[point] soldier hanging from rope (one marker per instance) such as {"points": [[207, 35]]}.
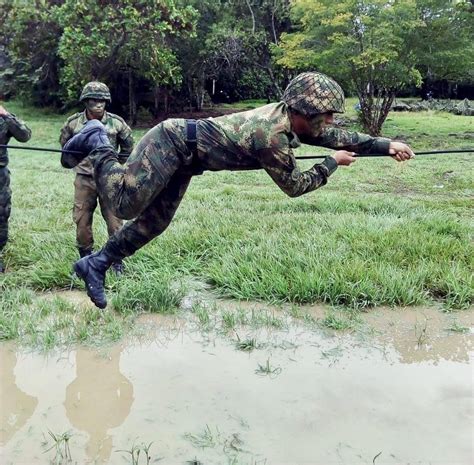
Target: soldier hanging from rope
{"points": [[150, 185]]}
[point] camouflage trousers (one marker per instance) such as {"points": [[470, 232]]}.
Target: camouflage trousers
{"points": [[5, 204], [85, 202], [148, 187]]}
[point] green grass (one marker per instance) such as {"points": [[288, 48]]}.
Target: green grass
{"points": [[380, 233]]}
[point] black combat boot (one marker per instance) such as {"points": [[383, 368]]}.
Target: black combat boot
{"points": [[91, 137], [92, 270]]}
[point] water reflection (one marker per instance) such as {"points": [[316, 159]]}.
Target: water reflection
{"points": [[16, 407], [404, 389], [99, 399], [424, 336]]}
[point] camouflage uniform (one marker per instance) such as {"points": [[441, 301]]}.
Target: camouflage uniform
{"points": [[85, 189], [150, 186], [10, 126]]}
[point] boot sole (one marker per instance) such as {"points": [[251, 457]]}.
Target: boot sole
{"points": [[82, 273]]}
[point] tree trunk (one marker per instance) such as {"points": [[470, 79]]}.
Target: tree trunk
{"points": [[166, 102], [253, 16], [156, 101], [132, 104], [375, 105]]}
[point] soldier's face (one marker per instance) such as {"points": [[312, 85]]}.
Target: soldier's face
{"points": [[95, 107], [318, 122]]}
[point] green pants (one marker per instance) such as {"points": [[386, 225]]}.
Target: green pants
{"points": [[5, 204], [86, 198], [148, 188]]}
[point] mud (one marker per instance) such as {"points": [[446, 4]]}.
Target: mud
{"points": [[399, 391]]}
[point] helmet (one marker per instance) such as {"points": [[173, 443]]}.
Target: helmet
{"points": [[314, 93], [97, 90]]}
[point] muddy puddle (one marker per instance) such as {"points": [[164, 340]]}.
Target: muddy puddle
{"points": [[398, 393]]}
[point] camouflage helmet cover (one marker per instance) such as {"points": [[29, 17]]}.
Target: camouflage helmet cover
{"points": [[314, 93], [97, 90]]}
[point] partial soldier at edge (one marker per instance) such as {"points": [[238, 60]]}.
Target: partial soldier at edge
{"points": [[10, 126], [151, 185], [95, 96]]}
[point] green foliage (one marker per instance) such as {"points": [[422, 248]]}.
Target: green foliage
{"points": [[52, 48], [99, 37], [29, 37], [370, 46], [232, 48], [443, 43]]}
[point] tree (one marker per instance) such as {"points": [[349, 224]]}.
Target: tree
{"points": [[231, 50], [444, 44], [377, 47], [362, 43], [29, 38], [102, 39], [269, 19]]}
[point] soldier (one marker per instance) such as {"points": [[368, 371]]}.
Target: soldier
{"points": [[150, 186], [10, 126], [95, 95]]}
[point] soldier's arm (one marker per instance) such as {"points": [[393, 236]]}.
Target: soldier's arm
{"points": [[280, 164], [125, 140], [338, 139], [17, 128]]}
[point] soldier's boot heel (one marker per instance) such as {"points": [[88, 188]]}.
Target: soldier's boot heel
{"points": [[91, 137], [92, 269]]}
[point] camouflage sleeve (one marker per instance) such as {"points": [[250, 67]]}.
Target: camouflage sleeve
{"points": [[66, 133], [17, 128], [125, 140], [340, 139], [280, 164]]}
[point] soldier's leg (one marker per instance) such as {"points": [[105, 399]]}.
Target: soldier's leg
{"points": [[85, 203], [113, 225], [5, 208], [134, 235], [128, 189], [151, 222]]}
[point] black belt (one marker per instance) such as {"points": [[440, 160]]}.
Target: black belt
{"points": [[191, 135]]}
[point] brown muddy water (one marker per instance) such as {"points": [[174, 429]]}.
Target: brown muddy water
{"points": [[399, 392]]}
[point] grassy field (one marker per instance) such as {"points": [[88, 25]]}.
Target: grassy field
{"points": [[380, 233]]}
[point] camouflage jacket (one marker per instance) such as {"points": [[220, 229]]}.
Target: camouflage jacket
{"points": [[263, 138], [11, 126], [118, 131]]}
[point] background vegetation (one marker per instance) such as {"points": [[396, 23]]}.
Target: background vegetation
{"points": [[170, 55]]}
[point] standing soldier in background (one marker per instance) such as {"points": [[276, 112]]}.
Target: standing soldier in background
{"points": [[95, 95], [10, 127]]}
